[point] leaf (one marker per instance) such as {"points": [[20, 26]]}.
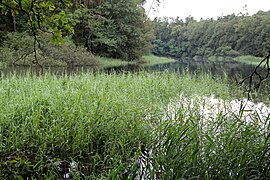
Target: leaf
{"points": [[57, 40], [19, 177], [51, 8]]}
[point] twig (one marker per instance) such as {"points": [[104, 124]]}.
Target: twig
{"points": [[22, 57], [263, 64]]}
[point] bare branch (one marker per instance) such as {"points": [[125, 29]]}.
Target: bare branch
{"points": [[264, 64]]}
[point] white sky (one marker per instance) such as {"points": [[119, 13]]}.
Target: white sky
{"points": [[206, 8]]}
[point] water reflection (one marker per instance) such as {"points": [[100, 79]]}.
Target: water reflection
{"points": [[231, 69], [234, 71]]}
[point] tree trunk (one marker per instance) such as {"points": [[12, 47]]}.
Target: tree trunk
{"points": [[14, 23]]}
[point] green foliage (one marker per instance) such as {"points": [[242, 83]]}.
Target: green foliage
{"points": [[16, 46], [50, 16], [18, 49], [229, 36], [5, 26], [117, 29]]}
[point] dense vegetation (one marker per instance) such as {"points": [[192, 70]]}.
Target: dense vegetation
{"points": [[111, 125], [120, 29], [116, 29], [231, 35], [118, 126]]}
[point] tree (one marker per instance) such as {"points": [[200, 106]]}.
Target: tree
{"points": [[117, 29], [49, 15], [229, 35]]}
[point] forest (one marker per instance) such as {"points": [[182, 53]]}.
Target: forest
{"points": [[69, 32], [45, 32], [231, 36]]}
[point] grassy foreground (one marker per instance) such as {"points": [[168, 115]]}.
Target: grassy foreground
{"points": [[111, 126]]}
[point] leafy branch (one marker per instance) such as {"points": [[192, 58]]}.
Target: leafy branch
{"points": [[46, 16]]}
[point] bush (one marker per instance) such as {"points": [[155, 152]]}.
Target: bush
{"points": [[18, 49]]}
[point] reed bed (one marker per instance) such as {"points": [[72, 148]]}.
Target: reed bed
{"points": [[112, 126]]}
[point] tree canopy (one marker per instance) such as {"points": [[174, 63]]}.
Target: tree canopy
{"points": [[50, 15], [230, 35], [113, 28]]}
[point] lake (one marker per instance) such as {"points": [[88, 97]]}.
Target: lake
{"points": [[216, 68], [234, 70]]}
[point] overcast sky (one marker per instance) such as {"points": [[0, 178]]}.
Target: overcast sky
{"points": [[206, 8]]}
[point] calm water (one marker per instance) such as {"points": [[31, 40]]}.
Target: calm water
{"points": [[233, 70]]}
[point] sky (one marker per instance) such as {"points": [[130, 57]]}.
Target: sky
{"points": [[205, 8]]}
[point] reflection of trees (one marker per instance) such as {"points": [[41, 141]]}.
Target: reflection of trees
{"points": [[231, 69]]}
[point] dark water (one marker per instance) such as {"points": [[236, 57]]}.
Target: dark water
{"points": [[233, 70]]}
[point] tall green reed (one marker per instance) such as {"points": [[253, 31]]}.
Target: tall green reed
{"points": [[105, 123], [224, 148]]}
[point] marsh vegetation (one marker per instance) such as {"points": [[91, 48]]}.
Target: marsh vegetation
{"points": [[118, 126]]}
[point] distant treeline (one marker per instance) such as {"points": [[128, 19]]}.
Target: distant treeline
{"points": [[231, 35]]}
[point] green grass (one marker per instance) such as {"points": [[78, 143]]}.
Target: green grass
{"points": [[242, 59], [249, 60], [145, 61], [105, 122], [153, 60], [111, 62]]}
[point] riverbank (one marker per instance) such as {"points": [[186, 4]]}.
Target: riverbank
{"points": [[249, 60], [252, 60], [100, 62], [148, 60]]}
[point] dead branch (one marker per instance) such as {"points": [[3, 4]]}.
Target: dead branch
{"points": [[264, 64]]}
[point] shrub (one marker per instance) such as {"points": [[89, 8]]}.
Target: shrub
{"points": [[18, 49]]}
